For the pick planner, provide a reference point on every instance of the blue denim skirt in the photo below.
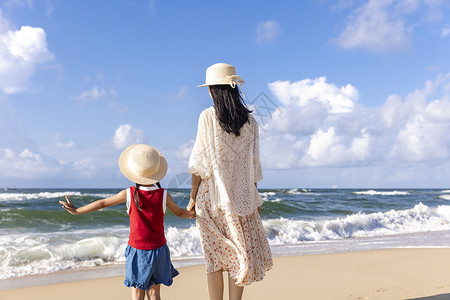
(147, 267)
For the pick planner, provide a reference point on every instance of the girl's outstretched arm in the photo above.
(178, 211)
(96, 205)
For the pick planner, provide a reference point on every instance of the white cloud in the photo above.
(435, 9)
(307, 91)
(180, 95)
(50, 8)
(281, 151)
(64, 146)
(152, 6)
(445, 32)
(184, 150)
(117, 107)
(94, 94)
(126, 136)
(378, 26)
(388, 25)
(21, 52)
(326, 148)
(19, 3)
(311, 132)
(86, 167)
(25, 164)
(267, 32)
(420, 139)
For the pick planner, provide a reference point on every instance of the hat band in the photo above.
(233, 80)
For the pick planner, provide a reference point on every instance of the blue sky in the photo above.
(348, 94)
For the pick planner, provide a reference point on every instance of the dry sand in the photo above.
(382, 274)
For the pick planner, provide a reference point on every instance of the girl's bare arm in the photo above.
(96, 205)
(178, 211)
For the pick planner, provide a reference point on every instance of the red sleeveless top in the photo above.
(147, 226)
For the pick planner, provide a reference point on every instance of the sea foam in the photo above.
(37, 253)
(382, 193)
(299, 191)
(47, 195)
(25, 254)
(421, 218)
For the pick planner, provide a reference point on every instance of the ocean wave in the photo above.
(22, 255)
(30, 196)
(265, 195)
(276, 200)
(445, 192)
(445, 197)
(421, 218)
(26, 254)
(176, 194)
(47, 195)
(34, 253)
(183, 242)
(382, 193)
(299, 191)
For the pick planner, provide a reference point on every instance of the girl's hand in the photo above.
(192, 214)
(69, 206)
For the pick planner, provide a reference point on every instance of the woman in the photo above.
(225, 169)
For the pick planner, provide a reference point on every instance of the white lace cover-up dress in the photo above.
(230, 226)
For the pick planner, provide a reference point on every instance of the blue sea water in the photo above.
(38, 237)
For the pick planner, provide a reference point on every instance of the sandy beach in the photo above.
(380, 274)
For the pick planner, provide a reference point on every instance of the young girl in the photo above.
(147, 255)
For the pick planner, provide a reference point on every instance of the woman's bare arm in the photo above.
(195, 182)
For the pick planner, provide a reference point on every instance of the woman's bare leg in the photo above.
(235, 292)
(154, 292)
(137, 294)
(215, 285)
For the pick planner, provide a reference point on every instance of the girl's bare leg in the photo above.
(215, 285)
(235, 292)
(137, 294)
(154, 292)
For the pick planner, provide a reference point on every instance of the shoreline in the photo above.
(81, 274)
(421, 240)
(406, 273)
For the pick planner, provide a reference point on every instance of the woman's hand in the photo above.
(69, 206)
(191, 204)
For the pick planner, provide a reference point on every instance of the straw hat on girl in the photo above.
(221, 73)
(143, 164)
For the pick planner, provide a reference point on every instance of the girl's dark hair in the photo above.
(230, 108)
(136, 195)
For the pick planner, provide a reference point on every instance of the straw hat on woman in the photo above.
(225, 169)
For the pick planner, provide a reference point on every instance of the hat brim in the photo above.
(123, 165)
(223, 83)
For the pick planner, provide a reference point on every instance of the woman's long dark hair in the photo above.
(136, 195)
(230, 108)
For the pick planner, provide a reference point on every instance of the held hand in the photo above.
(69, 206)
(192, 214)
